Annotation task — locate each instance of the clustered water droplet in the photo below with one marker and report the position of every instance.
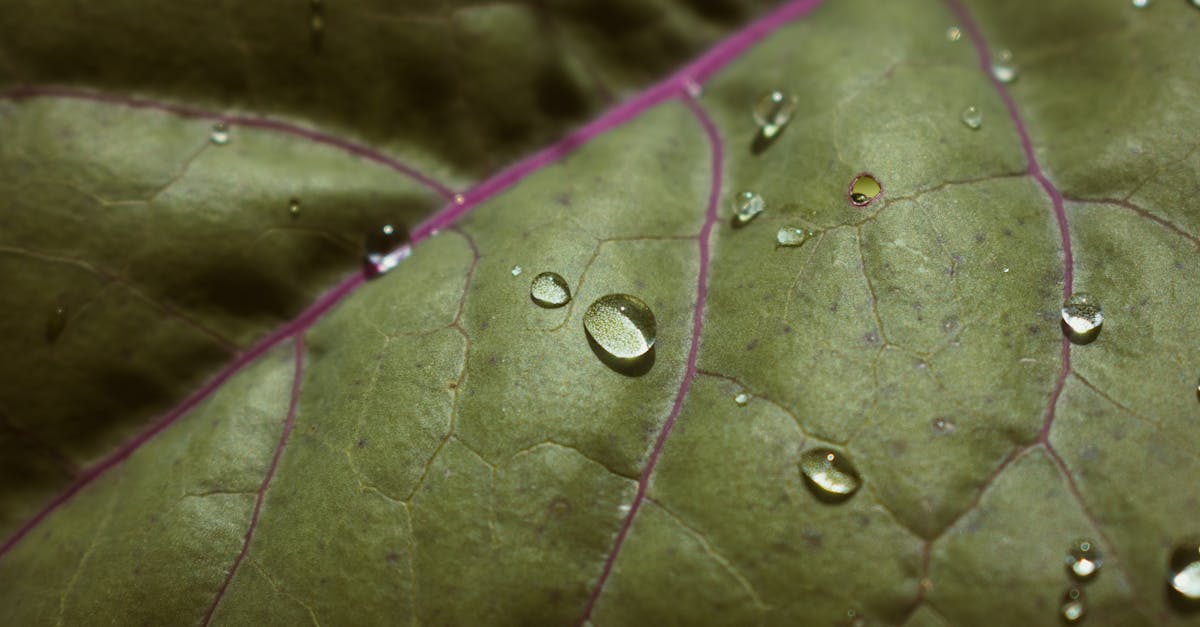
(829, 474)
(220, 134)
(863, 189)
(746, 207)
(550, 290)
(792, 236)
(1083, 316)
(56, 322)
(972, 117)
(1084, 559)
(381, 244)
(773, 111)
(1072, 609)
(622, 325)
(1003, 66)
(1184, 577)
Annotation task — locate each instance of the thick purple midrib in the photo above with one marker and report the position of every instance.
(694, 72)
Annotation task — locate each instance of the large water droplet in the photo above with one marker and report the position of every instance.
(294, 207)
(829, 474)
(1185, 569)
(1083, 316)
(56, 322)
(863, 189)
(622, 325)
(954, 33)
(746, 207)
(773, 111)
(972, 117)
(550, 290)
(1003, 66)
(792, 236)
(1072, 609)
(382, 248)
(1084, 559)
(220, 134)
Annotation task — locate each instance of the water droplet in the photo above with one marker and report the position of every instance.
(459, 199)
(1083, 317)
(622, 325)
(829, 474)
(1185, 568)
(294, 207)
(693, 88)
(942, 425)
(1003, 67)
(972, 117)
(383, 248)
(773, 111)
(550, 290)
(954, 33)
(1072, 606)
(516, 271)
(1141, 4)
(742, 399)
(792, 236)
(316, 24)
(863, 189)
(56, 322)
(747, 206)
(220, 134)
(1084, 559)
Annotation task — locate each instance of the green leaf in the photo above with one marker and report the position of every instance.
(431, 447)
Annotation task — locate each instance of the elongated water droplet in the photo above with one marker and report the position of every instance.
(954, 33)
(829, 474)
(773, 111)
(1084, 559)
(746, 207)
(383, 247)
(1003, 66)
(1083, 316)
(550, 290)
(622, 325)
(741, 399)
(791, 236)
(220, 134)
(294, 207)
(1072, 609)
(863, 189)
(972, 117)
(516, 271)
(56, 322)
(1185, 571)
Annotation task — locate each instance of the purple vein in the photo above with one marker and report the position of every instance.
(685, 385)
(288, 423)
(26, 92)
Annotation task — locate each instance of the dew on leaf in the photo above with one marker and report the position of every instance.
(791, 236)
(746, 207)
(829, 474)
(1083, 316)
(56, 322)
(550, 290)
(742, 399)
(622, 325)
(863, 189)
(382, 244)
(294, 207)
(1072, 609)
(1003, 66)
(220, 134)
(516, 271)
(972, 117)
(1083, 559)
(773, 111)
(1184, 577)
(942, 425)
(1141, 4)
(954, 33)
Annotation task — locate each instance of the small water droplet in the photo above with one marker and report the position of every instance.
(746, 207)
(294, 207)
(863, 189)
(954, 33)
(220, 134)
(1084, 559)
(693, 88)
(773, 111)
(1141, 4)
(516, 271)
(459, 199)
(792, 236)
(1003, 67)
(741, 399)
(550, 290)
(382, 247)
(972, 117)
(1083, 316)
(622, 325)
(1185, 569)
(942, 425)
(56, 322)
(829, 473)
(1072, 606)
